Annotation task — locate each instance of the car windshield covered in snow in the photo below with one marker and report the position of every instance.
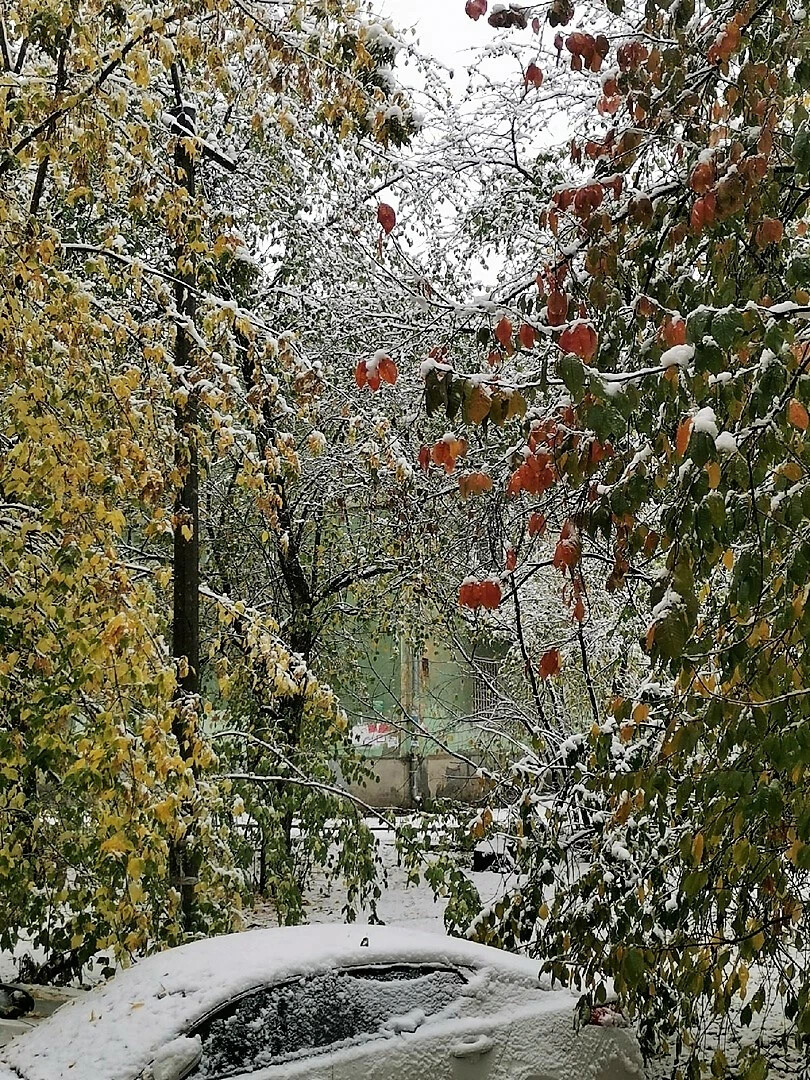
(317, 1012)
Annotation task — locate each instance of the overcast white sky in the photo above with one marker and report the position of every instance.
(442, 26)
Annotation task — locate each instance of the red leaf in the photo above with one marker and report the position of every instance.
(388, 370)
(527, 336)
(533, 76)
(490, 594)
(386, 215)
(674, 330)
(503, 333)
(702, 177)
(467, 594)
(424, 458)
(511, 559)
(580, 339)
(549, 663)
(480, 594)
(568, 551)
(537, 524)
(587, 199)
(556, 308)
(360, 375)
(476, 8)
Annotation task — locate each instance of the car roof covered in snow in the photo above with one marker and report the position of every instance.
(114, 1031)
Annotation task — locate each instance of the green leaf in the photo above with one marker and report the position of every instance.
(572, 373)
(436, 392)
(801, 150)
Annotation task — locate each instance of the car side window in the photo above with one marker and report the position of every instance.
(315, 1013)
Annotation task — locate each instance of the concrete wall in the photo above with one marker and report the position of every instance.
(439, 776)
(392, 788)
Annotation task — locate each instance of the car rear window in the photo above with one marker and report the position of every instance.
(314, 1013)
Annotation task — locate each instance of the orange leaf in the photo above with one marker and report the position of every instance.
(549, 663)
(474, 483)
(360, 374)
(797, 415)
(478, 406)
(683, 435)
(770, 231)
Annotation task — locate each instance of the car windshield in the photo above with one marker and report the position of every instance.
(316, 1012)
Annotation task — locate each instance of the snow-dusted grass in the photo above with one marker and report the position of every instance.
(413, 906)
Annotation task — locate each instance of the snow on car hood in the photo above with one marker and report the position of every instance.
(115, 1030)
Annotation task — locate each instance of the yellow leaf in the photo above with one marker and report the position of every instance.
(640, 713)
(134, 867)
(697, 849)
(116, 843)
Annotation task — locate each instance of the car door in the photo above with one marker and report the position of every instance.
(427, 1034)
(325, 1024)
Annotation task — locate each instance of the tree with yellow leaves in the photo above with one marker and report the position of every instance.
(137, 148)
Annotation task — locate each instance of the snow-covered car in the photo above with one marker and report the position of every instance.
(326, 1002)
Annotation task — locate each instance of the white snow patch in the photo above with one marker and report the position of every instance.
(678, 355)
(705, 420)
(726, 443)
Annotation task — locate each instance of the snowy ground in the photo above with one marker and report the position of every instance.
(401, 904)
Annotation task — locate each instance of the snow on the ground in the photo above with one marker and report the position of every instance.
(401, 904)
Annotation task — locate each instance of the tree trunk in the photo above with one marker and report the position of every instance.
(186, 599)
